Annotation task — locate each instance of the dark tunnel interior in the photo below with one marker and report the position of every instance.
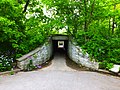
(60, 50)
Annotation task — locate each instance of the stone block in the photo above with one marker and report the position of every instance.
(115, 69)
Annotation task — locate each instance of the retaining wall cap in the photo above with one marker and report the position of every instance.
(116, 68)
(29, 54)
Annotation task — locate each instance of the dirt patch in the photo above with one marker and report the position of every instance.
(75, 66)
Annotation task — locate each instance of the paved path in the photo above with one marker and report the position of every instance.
(59, 77)
(58, 64)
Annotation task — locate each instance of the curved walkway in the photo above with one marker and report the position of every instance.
(58, 76)
(58, 64)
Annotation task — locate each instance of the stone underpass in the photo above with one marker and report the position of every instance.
(62, 74)
(58, 76)
(45, 52)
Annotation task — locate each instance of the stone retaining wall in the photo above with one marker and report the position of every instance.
(42, 54)
(38, 56)
(75, 54)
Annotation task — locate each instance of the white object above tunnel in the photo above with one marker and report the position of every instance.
(60, 44)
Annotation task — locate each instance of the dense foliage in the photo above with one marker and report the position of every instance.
(94, 24)
(18, 35)
(5, 63)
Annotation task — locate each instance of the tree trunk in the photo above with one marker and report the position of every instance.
(113, 24)
(26, 5)
(75, 25)
(109, 26)
(85, 23)
(91, 13)
(19, 1)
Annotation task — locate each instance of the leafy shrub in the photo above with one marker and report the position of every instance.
(30, 66)
(101, 46)
(102, 65)
(105, 65)
(5, 64)
(12, 73)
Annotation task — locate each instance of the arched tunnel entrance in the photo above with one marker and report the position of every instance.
(60, 59)
(60, 44)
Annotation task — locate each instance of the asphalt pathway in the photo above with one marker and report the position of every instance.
(58, 76)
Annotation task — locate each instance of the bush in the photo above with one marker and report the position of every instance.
(30, 66)
(5, 64)
(102, 47)
(105, 65)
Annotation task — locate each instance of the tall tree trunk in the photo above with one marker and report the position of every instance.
(91, 13)
(85, 16)
(109, 26)
(75, 25)
(69, 32)
(26, 5)
(19, 1)
(113, 24)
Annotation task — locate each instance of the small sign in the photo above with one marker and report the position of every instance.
(60, 44)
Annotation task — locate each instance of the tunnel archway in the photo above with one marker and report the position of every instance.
(56, 47)
(60, 44)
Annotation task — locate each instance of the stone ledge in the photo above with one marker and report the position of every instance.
(115, 69)
(108, 72)
(29, 54)
(8, 72)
